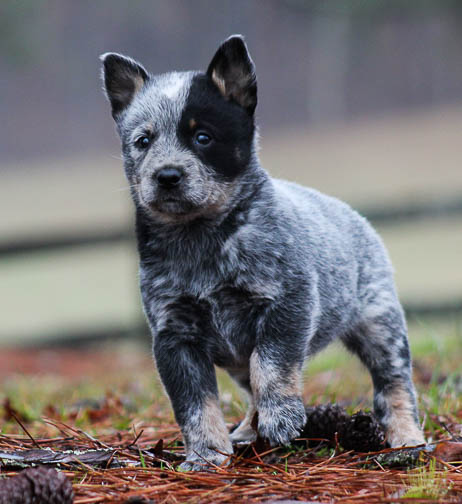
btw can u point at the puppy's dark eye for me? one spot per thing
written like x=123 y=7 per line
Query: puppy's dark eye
x=202 y=138
x=143 y=142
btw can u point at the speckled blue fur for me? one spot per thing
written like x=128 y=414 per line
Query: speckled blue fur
x=244 y=271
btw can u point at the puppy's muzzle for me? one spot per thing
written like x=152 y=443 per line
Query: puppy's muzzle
x=169 y=177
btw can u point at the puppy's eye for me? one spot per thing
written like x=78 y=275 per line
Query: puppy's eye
x=143 y=142
x=202 y=139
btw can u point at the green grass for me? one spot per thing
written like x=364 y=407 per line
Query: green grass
x=121 y=379
x=437 y=351
x=426 y=483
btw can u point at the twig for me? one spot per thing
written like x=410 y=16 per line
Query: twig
x=25 y=430
x=137 y=436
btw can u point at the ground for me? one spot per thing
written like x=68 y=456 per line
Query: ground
x=109 y=396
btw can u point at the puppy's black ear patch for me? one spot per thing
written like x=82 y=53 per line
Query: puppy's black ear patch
x=233 y=73
x=123 y=78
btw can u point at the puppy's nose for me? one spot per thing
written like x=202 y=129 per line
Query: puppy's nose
x=169 y=176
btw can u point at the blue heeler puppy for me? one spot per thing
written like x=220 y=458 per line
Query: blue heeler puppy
x=242 y=271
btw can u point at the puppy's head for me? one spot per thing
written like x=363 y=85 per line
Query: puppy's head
x=187 y=137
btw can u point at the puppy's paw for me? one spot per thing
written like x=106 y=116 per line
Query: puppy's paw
x=281 y=420
x=403 y=430
x=203 y=460
x=397 y=437
x=244 y=433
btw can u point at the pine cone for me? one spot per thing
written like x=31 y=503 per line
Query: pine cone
x=37 y=486
x=361 y=432
x=324 y=421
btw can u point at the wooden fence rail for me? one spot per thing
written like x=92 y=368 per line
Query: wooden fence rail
x=377 y=215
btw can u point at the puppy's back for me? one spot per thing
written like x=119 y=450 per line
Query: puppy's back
x=346 y=252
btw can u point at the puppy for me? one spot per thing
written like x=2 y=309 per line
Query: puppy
x=243 y=271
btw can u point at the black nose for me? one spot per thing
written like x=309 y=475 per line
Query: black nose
x=169 y=176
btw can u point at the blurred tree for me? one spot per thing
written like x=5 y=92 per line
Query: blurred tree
x=21 y=23
x=318 y=60
x=375 y=7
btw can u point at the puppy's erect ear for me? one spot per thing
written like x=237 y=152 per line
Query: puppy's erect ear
x=123 y=78
x=233 y=72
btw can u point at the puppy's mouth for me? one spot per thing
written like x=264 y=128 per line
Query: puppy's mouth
x=172 y=205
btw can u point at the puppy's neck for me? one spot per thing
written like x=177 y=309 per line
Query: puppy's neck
x=209 y=228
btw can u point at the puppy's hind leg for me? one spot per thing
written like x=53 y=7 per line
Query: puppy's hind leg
x=244 y=432
x=382 y=345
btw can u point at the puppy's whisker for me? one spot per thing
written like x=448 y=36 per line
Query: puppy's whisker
x=126 y=188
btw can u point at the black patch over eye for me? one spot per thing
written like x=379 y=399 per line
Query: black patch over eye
x=231 y=129
x=202 y=138
x=143 y=142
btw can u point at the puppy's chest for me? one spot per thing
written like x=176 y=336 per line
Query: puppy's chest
x=234 y=312
x=221 y=311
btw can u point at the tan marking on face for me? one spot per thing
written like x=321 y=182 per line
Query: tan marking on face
x=402 y=429
x=221 y=197
x=192 y=123
x=209 y=198
x=264 y=375
x=214 y=427
x=217 y=206
x=220 y=83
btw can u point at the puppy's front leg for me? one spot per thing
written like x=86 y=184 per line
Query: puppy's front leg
x=275 y=379
x=189 y=377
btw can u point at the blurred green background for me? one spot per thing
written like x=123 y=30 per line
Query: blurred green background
x=359 y=99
